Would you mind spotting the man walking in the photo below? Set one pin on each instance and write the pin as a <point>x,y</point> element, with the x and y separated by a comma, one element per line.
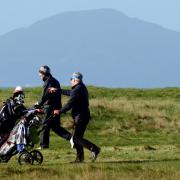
<point>50,101</point>
<point>79,103</point>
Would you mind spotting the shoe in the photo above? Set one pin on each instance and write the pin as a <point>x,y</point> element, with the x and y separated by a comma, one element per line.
<point>95,154</point>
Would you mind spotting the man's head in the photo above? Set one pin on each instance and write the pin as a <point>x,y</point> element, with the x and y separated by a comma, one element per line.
<point>18,95</point>
<point>76,78</point>
<point>44,72</point>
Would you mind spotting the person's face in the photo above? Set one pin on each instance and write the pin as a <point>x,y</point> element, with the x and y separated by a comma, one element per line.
<point>72,82</point>
<point>42,76</point>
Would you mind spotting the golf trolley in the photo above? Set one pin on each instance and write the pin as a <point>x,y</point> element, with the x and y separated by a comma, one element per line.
<point>21,140</point>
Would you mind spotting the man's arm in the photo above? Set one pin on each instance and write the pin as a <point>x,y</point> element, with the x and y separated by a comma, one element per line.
<point>73,96</point>
<point>63,91</point>
<point>66,92</point>
<point>44,98</point>
<point>46,95</point>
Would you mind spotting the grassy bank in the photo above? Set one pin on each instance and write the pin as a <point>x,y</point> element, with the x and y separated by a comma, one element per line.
<point>137,129</point>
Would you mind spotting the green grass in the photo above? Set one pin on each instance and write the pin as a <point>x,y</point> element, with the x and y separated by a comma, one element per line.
<point>138,131</point>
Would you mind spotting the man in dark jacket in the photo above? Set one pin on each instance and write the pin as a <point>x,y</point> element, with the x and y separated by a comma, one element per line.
<point>79,103</point>
<point>50,101</point>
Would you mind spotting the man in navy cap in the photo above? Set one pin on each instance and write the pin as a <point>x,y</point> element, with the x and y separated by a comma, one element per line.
<point>79,104</point>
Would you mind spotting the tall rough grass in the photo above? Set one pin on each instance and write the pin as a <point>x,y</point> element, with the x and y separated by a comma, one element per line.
<point>137,129</point>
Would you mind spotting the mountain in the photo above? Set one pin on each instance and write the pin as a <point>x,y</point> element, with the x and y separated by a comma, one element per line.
<point>108,47</point>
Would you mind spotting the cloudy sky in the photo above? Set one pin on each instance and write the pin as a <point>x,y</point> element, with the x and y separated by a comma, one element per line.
<point>22,13</point>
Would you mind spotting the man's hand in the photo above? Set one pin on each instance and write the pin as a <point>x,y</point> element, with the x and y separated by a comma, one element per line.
<point>52,90</point>
<point>39,110</point>
<point>57,112</point>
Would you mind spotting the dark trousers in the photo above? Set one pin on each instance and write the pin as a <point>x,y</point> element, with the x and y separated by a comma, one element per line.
<point>54,124</point>
<point>80,142</point>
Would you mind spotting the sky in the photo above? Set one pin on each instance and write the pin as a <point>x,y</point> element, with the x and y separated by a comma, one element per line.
<point>15,14</point>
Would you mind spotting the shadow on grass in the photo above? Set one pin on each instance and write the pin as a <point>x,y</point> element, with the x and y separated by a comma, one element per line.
<point>138,161</point>
<point>124,162</point>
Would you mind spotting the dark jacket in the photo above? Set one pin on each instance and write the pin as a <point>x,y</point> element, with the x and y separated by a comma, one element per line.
<point>53,100</point>
<point>78,102</point>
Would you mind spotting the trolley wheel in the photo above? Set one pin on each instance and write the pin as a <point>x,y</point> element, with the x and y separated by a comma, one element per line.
<point>25,158</point>
<point>5,159</point>
<point>37,157</point>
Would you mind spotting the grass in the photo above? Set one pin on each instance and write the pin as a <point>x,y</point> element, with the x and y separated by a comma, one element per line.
<point>137,130</point>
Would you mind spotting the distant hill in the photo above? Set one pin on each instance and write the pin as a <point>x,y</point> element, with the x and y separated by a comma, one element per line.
<point>110,48</point>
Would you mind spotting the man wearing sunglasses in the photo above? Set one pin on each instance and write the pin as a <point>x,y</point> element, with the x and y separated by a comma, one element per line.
<point>79,104</point>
